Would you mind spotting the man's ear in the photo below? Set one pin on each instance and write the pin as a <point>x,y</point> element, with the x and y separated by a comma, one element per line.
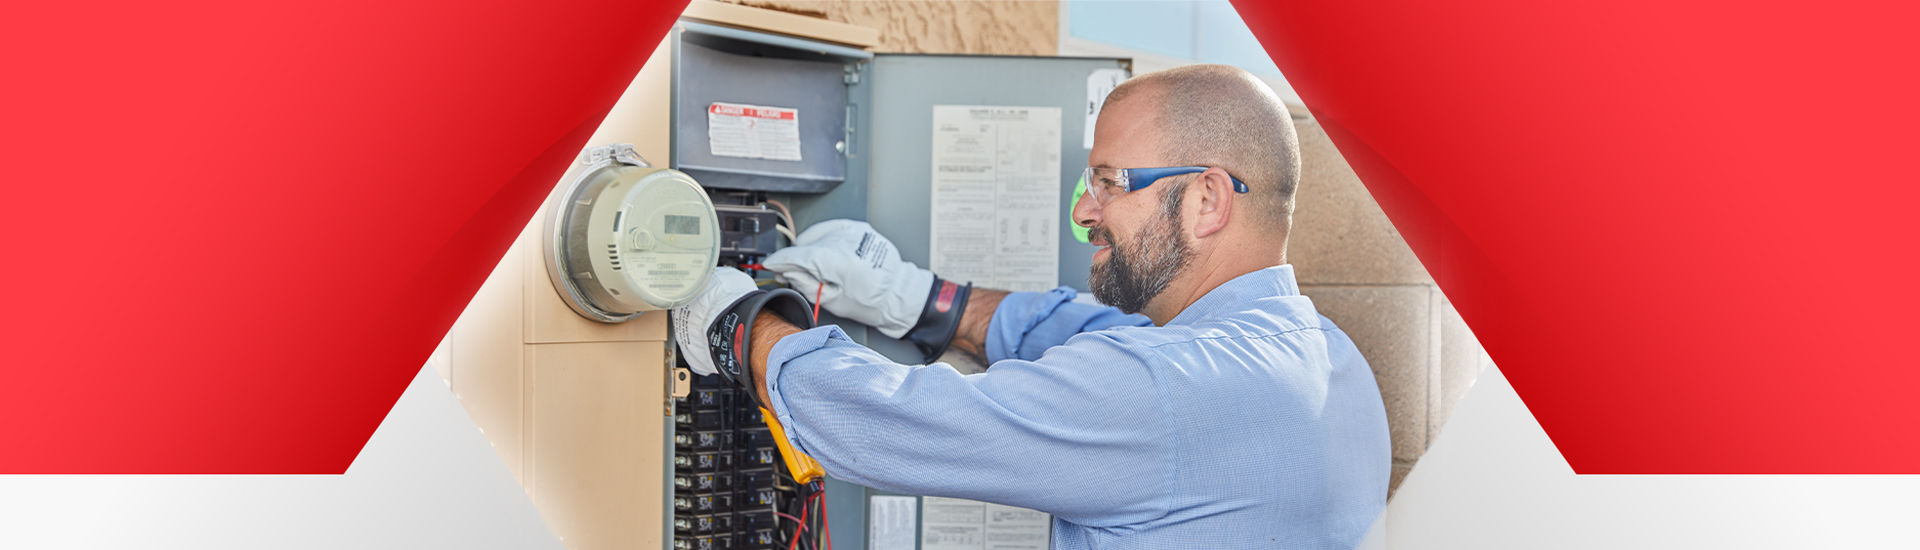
<point>1215,202</point>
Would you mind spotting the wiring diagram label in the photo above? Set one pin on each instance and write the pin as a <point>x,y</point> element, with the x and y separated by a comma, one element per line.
<point>996,196</point>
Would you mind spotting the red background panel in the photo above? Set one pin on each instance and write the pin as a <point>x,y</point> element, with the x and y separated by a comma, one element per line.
<point>235,230</point>
<point>1685,231</point>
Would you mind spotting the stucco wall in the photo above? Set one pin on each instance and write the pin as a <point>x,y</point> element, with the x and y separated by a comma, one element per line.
<point>1000,28</point>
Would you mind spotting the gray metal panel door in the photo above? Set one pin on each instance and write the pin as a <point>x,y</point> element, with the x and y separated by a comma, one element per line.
<point>892,156</point>
<point>905,89</point>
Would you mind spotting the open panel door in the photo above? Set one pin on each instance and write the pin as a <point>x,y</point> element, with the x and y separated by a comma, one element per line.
<point>998,115</point>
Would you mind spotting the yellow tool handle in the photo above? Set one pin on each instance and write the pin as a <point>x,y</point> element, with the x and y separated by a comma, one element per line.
<point>804,468</point>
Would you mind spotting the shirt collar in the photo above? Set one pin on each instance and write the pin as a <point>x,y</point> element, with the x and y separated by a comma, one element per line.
<point>1236,294</point>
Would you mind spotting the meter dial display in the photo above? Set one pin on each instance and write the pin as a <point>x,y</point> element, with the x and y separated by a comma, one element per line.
<point>625,239</point>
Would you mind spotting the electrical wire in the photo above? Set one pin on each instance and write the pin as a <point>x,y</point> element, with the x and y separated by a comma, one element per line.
<point>803,526</point>
<point>784,212</point>
<point>790,516</point>
<point>785,215</point>
<point>826,526</point>
<point>798,525</point>
<point>816,320</point>
<point>787,488</point>
<point>812,526</point>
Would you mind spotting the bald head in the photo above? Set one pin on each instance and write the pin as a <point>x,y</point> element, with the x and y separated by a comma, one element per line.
<point>1223,116</point>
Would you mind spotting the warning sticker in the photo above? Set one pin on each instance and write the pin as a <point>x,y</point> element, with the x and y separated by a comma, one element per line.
<point>753,131</point>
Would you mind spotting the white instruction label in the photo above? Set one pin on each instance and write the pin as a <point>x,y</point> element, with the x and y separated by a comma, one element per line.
<point>753,131</point>
<point>959,524</point>
<point>1012,528</point>
<point>1100,83</point>
<point>890,522</point>
<point>996,196</point>
<point>953,524</point>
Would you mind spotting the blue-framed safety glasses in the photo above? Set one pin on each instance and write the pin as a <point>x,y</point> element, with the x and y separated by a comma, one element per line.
<point>1106,184</point>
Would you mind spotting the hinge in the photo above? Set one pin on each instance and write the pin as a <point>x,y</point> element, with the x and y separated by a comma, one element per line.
<point>679,380</point>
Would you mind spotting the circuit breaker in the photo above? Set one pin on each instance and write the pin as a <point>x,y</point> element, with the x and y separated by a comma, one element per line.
<point>748,231</point>
<point>726,472</point>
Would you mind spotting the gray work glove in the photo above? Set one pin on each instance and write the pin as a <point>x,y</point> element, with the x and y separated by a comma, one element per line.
<point>865,279</point>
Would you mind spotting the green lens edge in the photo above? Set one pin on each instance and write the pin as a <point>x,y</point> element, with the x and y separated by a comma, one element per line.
<point>1079,189</point>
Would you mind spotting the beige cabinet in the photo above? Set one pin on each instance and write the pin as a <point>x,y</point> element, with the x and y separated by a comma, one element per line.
<point>578,410</point>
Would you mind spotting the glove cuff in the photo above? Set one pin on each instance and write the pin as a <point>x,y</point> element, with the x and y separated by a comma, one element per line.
<point>940,318</point>
<point>731,334</point>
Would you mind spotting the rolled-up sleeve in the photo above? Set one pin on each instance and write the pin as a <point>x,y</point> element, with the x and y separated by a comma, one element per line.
<point>1028,323</point>
<point>1093,446</point>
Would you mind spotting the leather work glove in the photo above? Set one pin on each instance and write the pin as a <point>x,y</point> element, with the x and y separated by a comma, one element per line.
<point>866,281</point>
<point>716,328</point>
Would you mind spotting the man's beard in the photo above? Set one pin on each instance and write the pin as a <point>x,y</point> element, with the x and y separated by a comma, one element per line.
<point>1138,270</point>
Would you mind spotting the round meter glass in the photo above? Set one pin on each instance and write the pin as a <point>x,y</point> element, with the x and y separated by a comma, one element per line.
<point>666,239</point>
<point>626,239</point>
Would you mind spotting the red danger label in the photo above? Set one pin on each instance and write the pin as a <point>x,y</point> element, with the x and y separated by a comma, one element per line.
<point>775,113</point>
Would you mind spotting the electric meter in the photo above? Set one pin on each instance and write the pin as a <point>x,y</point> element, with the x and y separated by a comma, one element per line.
<point>624,238</point>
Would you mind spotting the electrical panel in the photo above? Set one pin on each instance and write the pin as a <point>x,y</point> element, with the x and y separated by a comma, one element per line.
<point>861,126</point>
<point>763,122</point>
<point>727,473</point>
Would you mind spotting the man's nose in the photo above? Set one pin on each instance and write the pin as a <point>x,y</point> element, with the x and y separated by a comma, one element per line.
<point>1085,212</point>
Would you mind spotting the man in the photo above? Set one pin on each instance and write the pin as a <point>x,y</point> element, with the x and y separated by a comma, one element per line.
<point>1209,406</point>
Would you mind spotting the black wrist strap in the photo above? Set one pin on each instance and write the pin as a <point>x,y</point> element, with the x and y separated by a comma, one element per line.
<point>940,318</point>
<point>732,334</point>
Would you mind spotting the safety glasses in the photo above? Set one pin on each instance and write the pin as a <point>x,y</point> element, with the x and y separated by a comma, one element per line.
<point>1106,184</point>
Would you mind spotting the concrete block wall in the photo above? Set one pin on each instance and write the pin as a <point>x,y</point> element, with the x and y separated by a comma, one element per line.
<point>1360,273</point>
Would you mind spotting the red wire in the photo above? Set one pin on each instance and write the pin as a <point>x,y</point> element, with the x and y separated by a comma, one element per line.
<point>816,305</point>
<point>795,543</point>
<point>825,524</point>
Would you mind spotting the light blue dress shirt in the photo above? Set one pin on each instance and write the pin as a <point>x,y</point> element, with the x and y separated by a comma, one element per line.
<point>1248,421</point>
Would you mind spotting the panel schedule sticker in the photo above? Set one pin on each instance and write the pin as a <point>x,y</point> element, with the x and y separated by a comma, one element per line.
<point>890,520</point>
<point>953,524</point>
<point>958,524</point>
<point>753,131</point>
<point>996,196</point>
